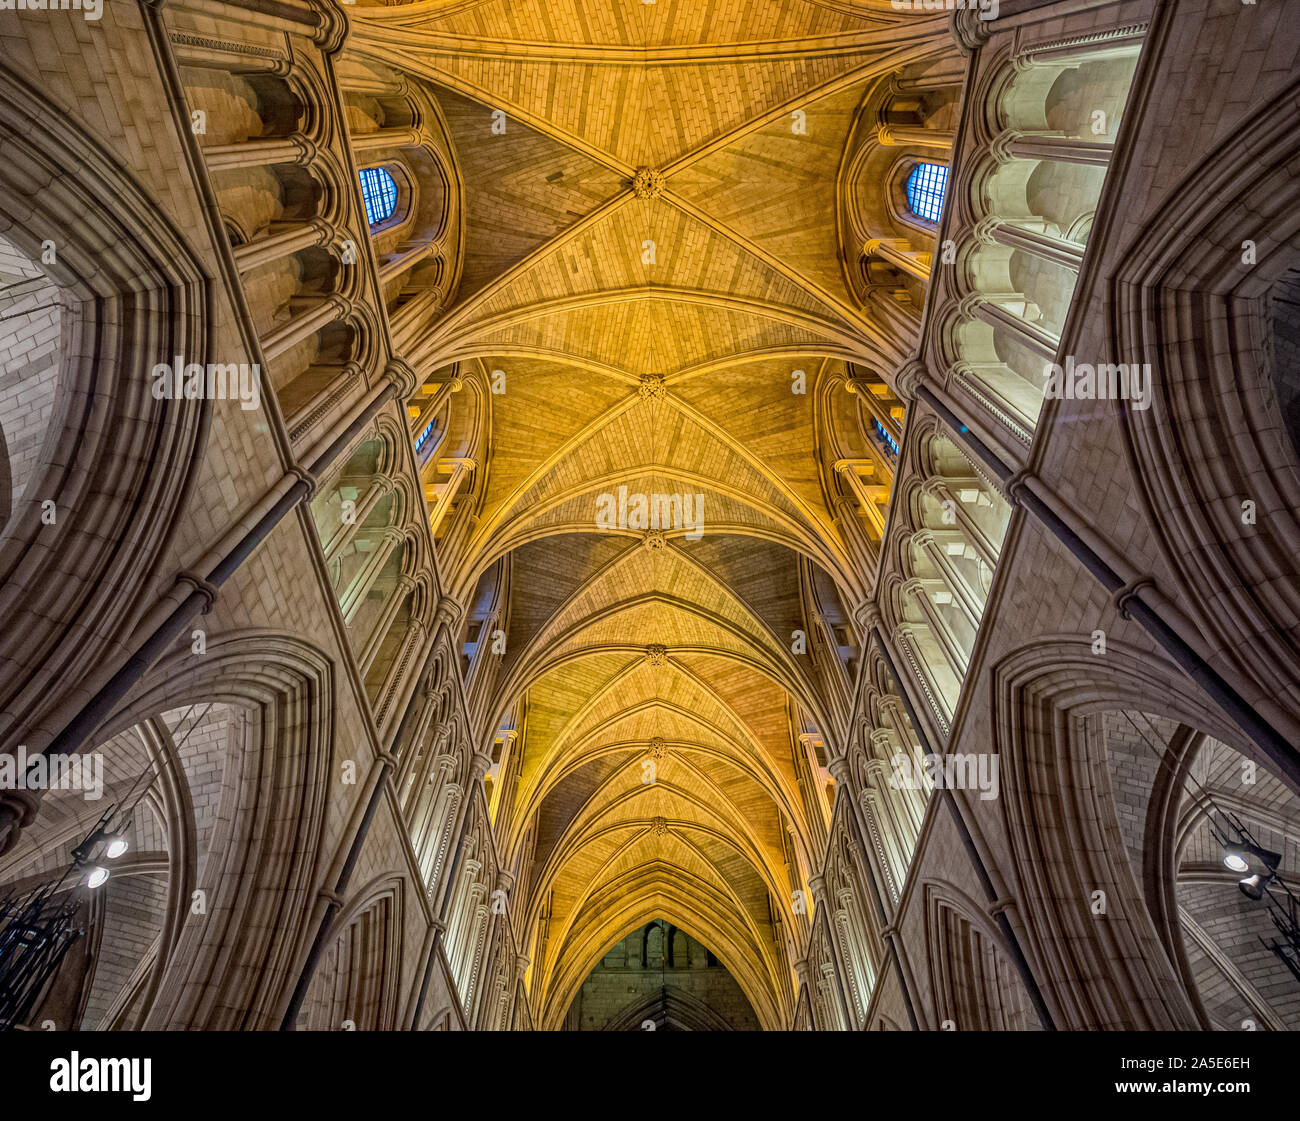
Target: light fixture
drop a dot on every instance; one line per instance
(116, 847)
(1245, 857)
(98, 875)
(1253, 887)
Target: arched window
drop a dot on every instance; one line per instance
(379, 193)
(925, 188)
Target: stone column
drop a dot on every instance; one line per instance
(295, 149)
(1037, 339)
(895, 307)
(355, 593)
(409, 320)
(1057, 146)
(442, 502)
(429, 409)
(286, 241)
(868, 495)
(407, 259)
(380, 485)
(941, 490)
(899, 253)
(902, 136)
(948, 643)
(995, 231)
(971, 607)
(389, 138)
(321, 313)
(375, 642)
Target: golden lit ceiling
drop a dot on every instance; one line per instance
(653, 330)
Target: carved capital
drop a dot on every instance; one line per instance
(867, 615)
(18, 809)
(449, 612)
(969, 29)
(403, 378)
(909, 377)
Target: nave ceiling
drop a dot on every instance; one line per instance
(651, 259)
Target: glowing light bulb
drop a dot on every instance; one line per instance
(97, 876)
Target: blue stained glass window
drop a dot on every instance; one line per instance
(423, 436)
(379, 193)
(925, 188)
(883, 433)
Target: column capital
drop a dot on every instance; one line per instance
(969, 29)
(873, 245)
(448, 611)
(867, 615)
(332, 28)
(908, 378)
(18, 809)
(1000, 148)
(985, 228)
(400, 373)
(305, 148)
(208, 590)
(324, 230)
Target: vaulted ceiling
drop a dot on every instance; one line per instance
(651, 255)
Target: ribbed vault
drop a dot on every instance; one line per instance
(654, 301)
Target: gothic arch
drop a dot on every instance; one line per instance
(1241, 578)
(268, 848)
(1098, 971)
(681, 1011)
(358, 981)
(115, 464)
(973, 984)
